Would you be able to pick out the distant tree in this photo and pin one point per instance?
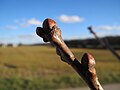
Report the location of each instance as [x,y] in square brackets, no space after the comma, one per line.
[20,44]
[10,44]
[1,44]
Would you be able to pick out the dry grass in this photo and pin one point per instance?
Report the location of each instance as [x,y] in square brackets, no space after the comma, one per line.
[43,63]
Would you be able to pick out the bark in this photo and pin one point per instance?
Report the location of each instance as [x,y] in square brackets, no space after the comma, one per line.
[86,68]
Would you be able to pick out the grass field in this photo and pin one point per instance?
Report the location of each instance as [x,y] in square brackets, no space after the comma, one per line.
[39,68]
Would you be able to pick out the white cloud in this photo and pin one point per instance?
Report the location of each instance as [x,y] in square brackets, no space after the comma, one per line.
[10,27]
[22,23]
[24,39]
[107,30]
[70,19]
[34,21]
[29,22]
[108,27]
[29,38]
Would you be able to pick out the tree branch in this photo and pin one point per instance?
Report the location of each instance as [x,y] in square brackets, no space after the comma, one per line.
[104,43]
[50,32]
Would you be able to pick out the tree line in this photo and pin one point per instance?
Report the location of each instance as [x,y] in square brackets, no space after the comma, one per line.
[114,41]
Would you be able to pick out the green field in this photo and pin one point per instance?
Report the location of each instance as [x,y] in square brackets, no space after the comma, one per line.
[39,68]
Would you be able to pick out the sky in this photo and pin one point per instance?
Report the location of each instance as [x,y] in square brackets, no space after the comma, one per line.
[19,18]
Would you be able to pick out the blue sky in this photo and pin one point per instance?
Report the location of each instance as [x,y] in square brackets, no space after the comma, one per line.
[19,18]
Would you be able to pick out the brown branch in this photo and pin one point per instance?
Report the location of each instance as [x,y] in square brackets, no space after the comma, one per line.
[50,32]
[104,43]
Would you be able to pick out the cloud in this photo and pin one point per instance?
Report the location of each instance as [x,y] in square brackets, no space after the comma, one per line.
[107,30]
[108,27]
[26,36]
[10,27]
[22,23]
[23,38]
[70,19]
[34,21]
[29,38]
[29,22]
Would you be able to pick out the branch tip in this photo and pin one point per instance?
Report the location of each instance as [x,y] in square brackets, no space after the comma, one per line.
[50,32]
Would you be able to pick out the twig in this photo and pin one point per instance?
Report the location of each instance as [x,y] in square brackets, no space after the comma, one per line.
[50,32]
[104,43]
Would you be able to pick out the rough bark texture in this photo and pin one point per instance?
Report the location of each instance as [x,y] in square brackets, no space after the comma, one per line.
[51,33]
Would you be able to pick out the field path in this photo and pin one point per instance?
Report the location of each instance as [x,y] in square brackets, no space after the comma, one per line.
[106,87]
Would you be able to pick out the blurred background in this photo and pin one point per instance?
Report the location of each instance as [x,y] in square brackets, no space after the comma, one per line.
[27,63]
